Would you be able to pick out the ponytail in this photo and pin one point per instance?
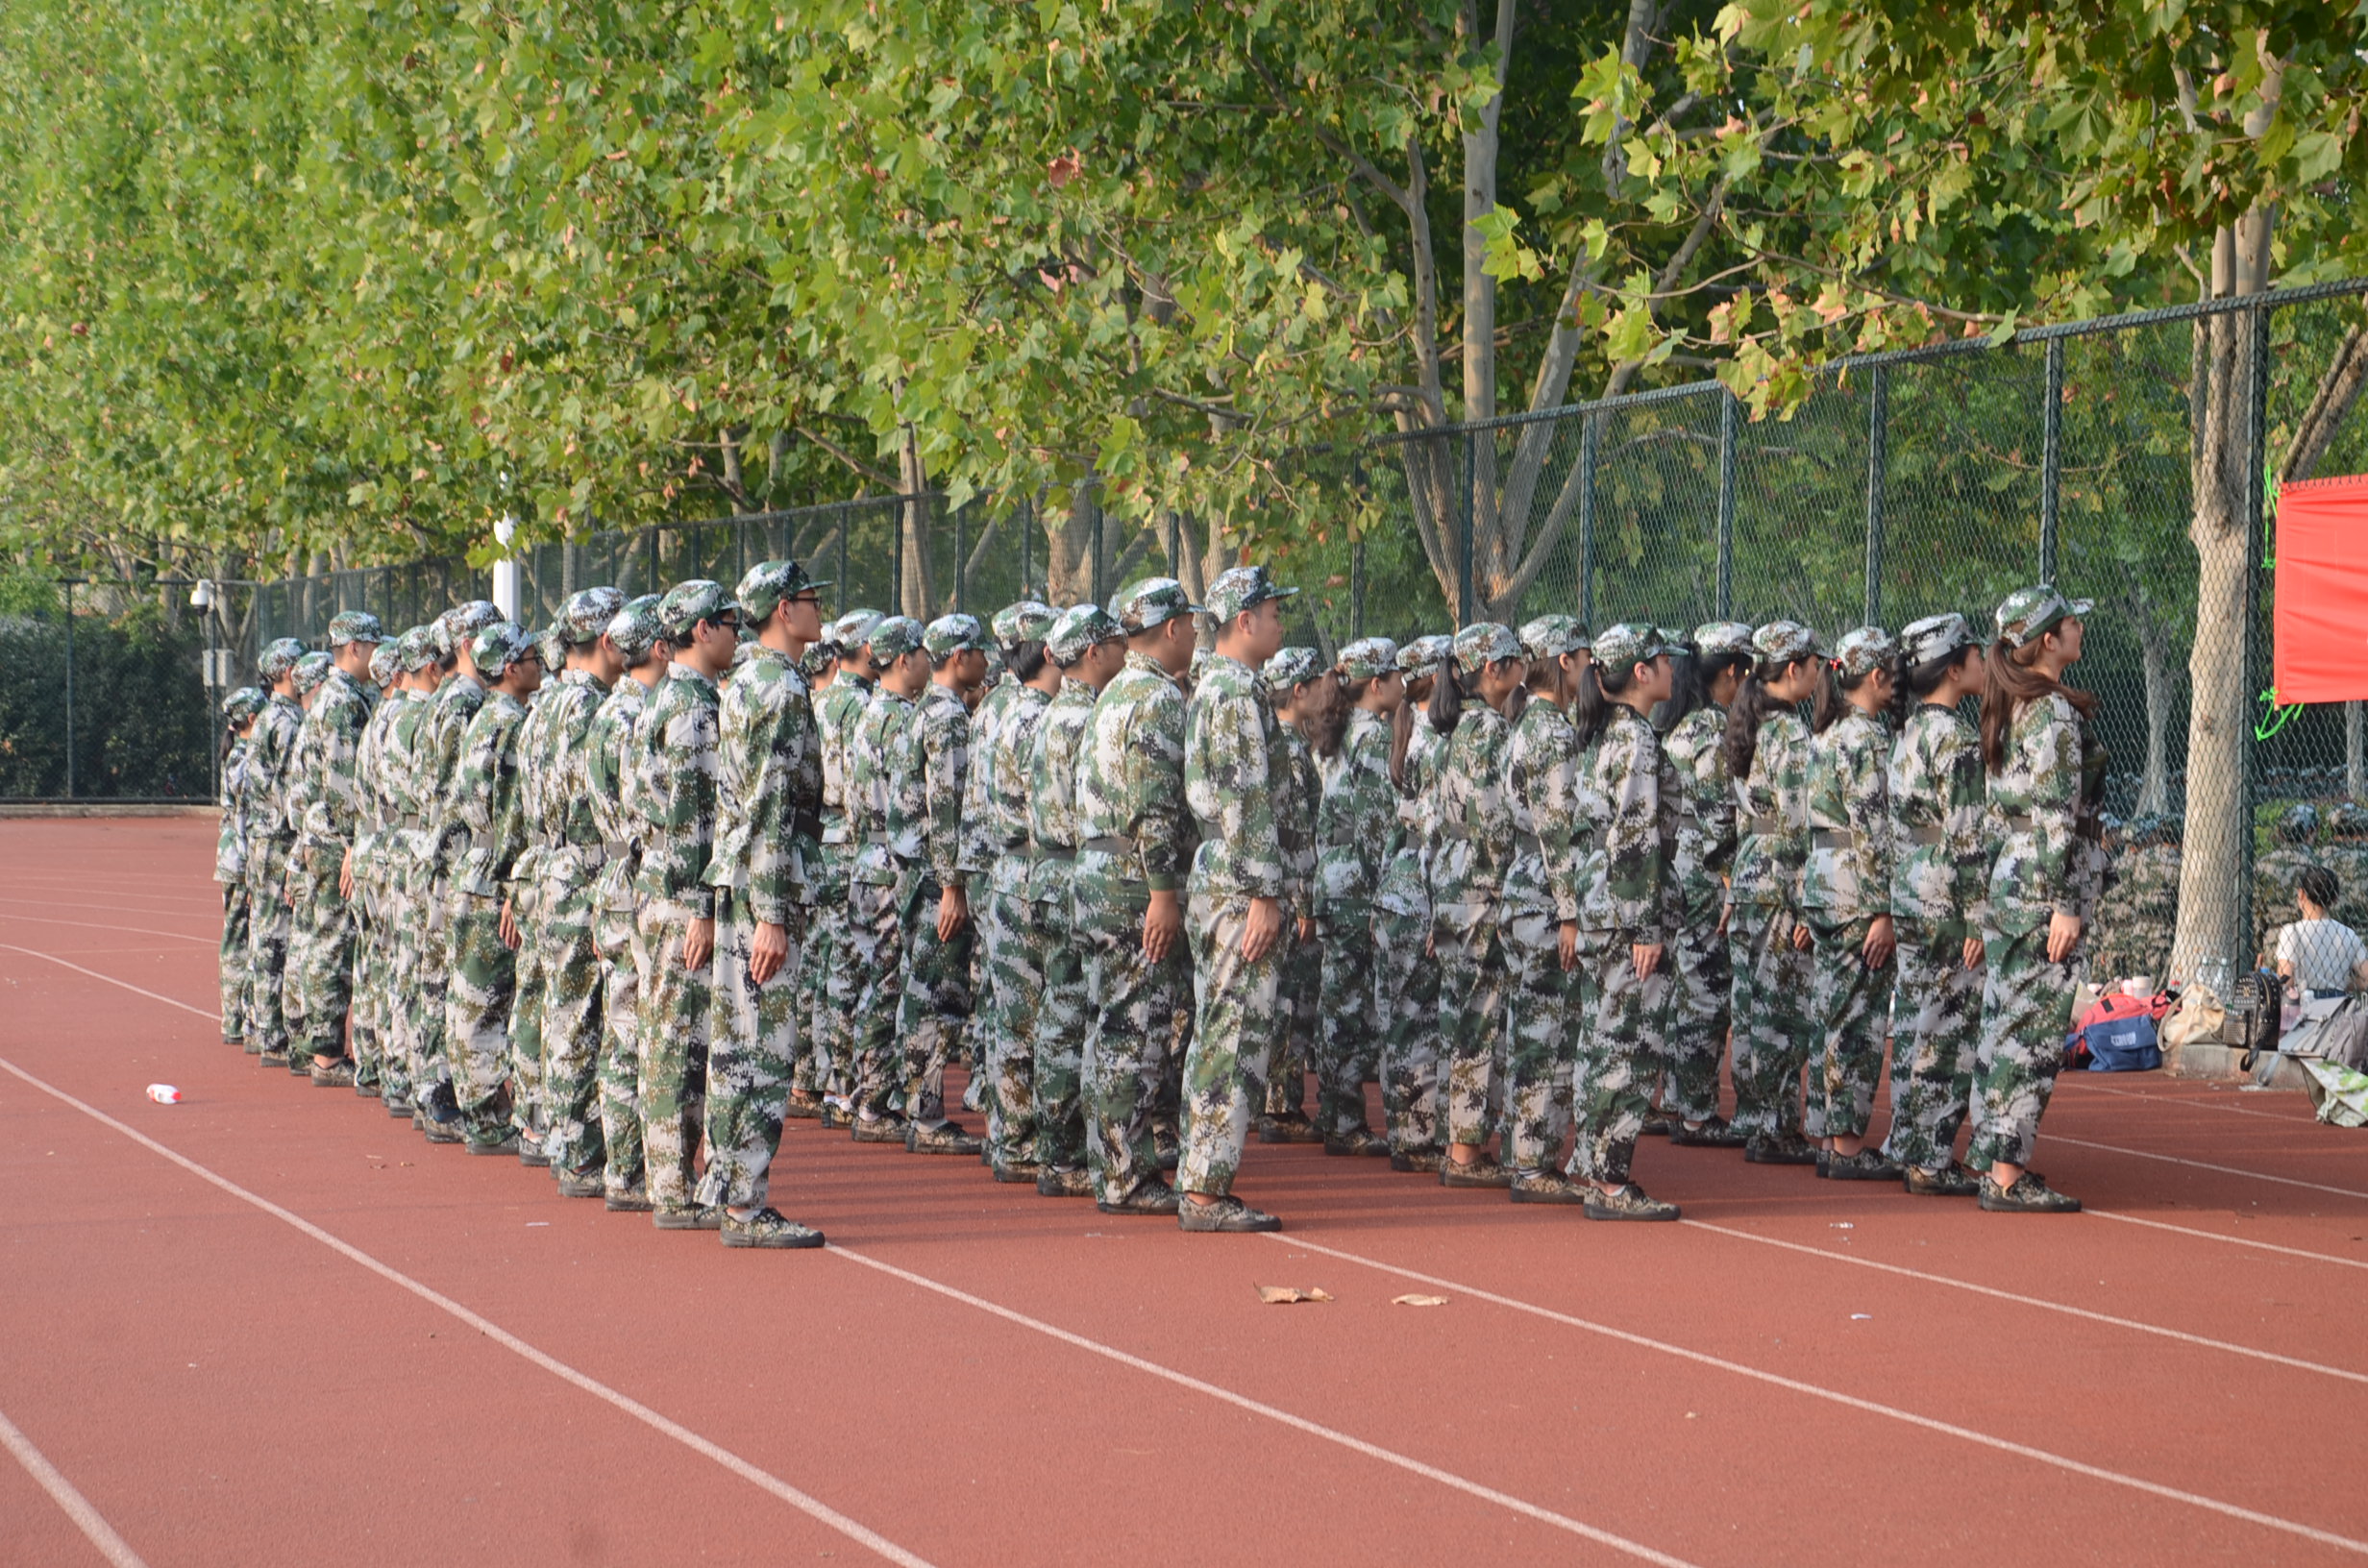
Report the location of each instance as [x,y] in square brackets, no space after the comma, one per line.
[1917,682]
[1402,731]
[1754,705]
[1693,675]
[1828,706]
[1592,708]
[1447,697]
[1322,705]
[2010,683]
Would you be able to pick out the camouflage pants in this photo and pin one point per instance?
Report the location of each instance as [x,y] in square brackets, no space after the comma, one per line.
[1012,960]
[875,965]
[570,1026]
[1240,1021]
[1542,1055]
[432,1061]
[842,998]
[1350,1047]
[1623,1057]
[1406,1002]
[616,938]
[368,1022]
[320,960]
[1940,1007]
[2025,1010]
[675,1005]
[1057,1040]
[1701,981]
[1299,1051]
[751,1052]
[1134,1006]
[1772,1032]
[482,990]
[817,1072]
[268,922]
[935,1007]
[232,967]
[1852,1005]
[399,1072]
[1472,978]
[526,1027]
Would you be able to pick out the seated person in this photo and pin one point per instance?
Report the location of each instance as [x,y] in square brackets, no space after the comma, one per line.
[2318,957]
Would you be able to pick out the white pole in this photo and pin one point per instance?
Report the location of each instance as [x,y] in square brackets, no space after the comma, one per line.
[505,571]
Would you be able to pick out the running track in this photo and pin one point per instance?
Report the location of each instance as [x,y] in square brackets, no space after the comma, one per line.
[271,1326]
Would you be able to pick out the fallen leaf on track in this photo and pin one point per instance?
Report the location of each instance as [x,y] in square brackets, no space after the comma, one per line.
[1417,1301]
[1283,1295]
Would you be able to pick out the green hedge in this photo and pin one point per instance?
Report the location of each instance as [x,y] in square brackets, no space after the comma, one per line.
[142,728]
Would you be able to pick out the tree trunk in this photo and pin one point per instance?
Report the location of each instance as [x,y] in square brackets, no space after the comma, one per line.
[2154,792]
[920,588]
[2355,751]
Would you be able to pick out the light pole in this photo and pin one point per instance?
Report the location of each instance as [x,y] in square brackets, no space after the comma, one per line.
[202,601]
[505,569]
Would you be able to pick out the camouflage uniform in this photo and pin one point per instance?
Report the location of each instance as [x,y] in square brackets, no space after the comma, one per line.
[1010,962]
[2139,911]
[435,764]
[1354,824]
[1406,971]
[1542,896]
[929,772]
[1301,986]
[1773,1032]
[1135,836]
[1473,849]
[486,804]
[1702,977]
[402,804]
[608,756]
[379,1063]
[270,835]
[229,866]
[1237,780]
[884,885]
[1845,886]
[825,1066]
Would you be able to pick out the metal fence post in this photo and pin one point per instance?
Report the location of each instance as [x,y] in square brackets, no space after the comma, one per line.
[961,558]
[845,523]
[1588,425]
[2257,545]
[1728,412]
[2051,460]
[1463,570]
[1101,589]
[1026,511]
[70,685]
[1878,441]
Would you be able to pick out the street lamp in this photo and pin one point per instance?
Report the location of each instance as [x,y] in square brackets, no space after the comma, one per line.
[505,569]
[202,599]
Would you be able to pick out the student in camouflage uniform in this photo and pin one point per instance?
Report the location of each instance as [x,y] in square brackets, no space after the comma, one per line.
[1540,919]
[1297,685]
[565,823]
[1354,822]
[672,794]
[608,756]
[1405,970]
[370,1021]
[885,882]
[1009,961]
[2046,771]
[1939,875]
[1086,646]
[1237,781]
[304,680]
[400,807]
[986,699]
[480,950]
[230,857]
[768,829]
[1473,847]
[2139,915]
[1701,977]
[1135,838]
[1767,755]
[2275,874]
[435,765]
[839,983]
[270,835]
[1626,915]
[526,912]
[820,666]
[1846,897]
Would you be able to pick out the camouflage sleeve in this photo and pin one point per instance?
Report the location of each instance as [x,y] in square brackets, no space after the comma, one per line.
[1787,770]
[1965,824]
[505,806]
[1554,807]
[979,842]
[675,791]
[788,792]
[472,794]
[944,739]
[1628,777]
[1154,773]
[1867,796]
[2048,737]
[1232,779]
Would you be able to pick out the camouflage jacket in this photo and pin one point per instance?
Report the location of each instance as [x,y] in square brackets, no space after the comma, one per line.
[979,824]
[375,838]
[2138,916]
[1847,875]
[768,790]
[600,774]
[932,769]
[1237,781]
[435,761]
[1130,783]
[560,810]
[1296,821]
[1541,792]
[1405,887]
[672,794]
[1000,787]
[837,713]
[1472,828]
[1706,812]
[872,754]
[229,840]
[1940,836]
[1631,790]
[2042,813]
[1052,788]
[1357,819]
[1771,817]
[270,763]
[487,800]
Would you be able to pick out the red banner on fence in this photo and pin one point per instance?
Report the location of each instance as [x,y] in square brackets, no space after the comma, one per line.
[2321,621]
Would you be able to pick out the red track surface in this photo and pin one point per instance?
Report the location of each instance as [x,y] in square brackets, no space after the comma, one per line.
[975,1375]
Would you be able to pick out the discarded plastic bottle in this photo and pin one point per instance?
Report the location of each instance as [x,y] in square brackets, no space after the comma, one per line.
[164,1093]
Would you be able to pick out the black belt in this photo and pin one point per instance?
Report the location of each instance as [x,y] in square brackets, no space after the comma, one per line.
[1927,833]
[1827,837]
[1765,826]
[1108,846]
[2019,821]
[1046,851]
[807,826]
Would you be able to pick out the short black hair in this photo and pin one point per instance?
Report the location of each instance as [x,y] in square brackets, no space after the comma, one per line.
[2318,884]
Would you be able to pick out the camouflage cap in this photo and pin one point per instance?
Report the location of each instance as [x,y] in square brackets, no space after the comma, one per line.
[355,627]
[1721,639]
[1244,588]
[2030,612]
[771,583]
[462,621]
[498,646]
[419,645]
[2348,821]
[278,659]
[1780,642]
[1153,601]
[1291,665]
[550,645]
[1630,643]
[853,629]
[1080,627]
[893,637]
[244,704]
[1425,653]
[385,660]
[1935,637]
[1029,621]
[312,670]
[2299,823]
[586,615]
[1202,653]
[952,634]
[1484,643]
[634,628]
[741,654]
[814,660]
[1551,636]
[1367,658]
[688,604]
[1863,651]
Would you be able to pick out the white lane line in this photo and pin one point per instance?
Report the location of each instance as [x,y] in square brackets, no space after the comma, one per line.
[2039,1302]
[1298,1423]
[2206,1164]
[61,1492]
[79,898]
[2203,1105]
[813,1507]
[94,925]
[152,995]
[2232,1240]
[2094,1472]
